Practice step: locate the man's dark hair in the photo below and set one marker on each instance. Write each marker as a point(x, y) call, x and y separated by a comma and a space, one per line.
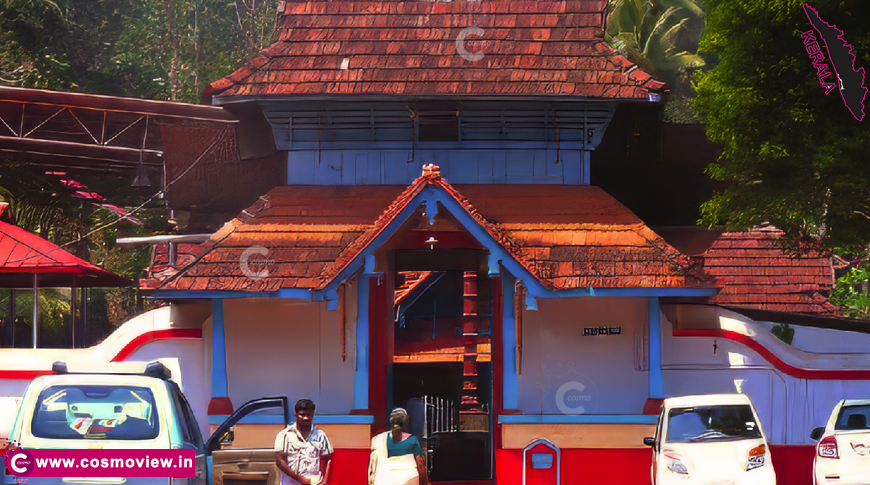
point(303, 404)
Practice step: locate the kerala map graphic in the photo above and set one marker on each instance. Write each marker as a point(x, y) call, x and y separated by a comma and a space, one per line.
point(851, 80)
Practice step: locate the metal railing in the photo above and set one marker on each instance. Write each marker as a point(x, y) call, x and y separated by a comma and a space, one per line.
point(440, 416)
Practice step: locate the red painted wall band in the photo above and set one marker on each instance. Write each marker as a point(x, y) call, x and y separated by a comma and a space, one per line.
point(132, 346)
point(170, 333)
point(24, 375)
point(790, 370)
point(793, 465)
point(629, 466)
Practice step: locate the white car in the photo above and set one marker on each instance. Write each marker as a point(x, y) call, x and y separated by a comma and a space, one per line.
point(139, 407)
point(843, 451)
point(713, 439)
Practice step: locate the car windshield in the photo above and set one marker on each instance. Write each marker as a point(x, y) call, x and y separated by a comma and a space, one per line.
point(95, 412)
point(853, 418)
point(712, 423)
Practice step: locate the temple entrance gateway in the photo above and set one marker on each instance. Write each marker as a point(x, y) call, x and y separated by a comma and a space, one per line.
point(441, 369)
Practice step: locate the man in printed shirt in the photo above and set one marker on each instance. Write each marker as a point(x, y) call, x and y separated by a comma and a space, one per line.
point(300, 448)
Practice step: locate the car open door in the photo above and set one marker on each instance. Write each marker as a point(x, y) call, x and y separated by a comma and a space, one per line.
point(252, 462)
point(8, 413)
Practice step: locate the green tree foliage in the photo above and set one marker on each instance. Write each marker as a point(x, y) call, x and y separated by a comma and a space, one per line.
point(852, 292)
point(43, 205)
point(783, 332)
point(110, 307)
point(54, 309)
point(157, 49)
point(793, 156)
point(40, 204)
point(661, 37)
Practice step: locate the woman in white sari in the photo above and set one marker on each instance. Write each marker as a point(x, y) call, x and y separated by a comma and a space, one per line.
point(397, 457)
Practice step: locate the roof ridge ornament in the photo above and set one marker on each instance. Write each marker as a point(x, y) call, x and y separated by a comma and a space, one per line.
point(432, 171)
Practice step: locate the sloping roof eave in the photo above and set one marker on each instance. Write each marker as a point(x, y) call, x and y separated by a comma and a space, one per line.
point(324, 274)
point(418, 49)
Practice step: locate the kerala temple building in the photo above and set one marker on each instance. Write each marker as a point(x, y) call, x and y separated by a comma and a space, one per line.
point(415, 221)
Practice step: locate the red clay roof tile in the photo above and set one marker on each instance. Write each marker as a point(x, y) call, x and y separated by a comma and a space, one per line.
point(410, 48)
point(757, 274)
point(566, 236)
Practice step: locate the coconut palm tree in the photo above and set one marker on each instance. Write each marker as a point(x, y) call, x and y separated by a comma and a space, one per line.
point(661, 37)
point(43, 205)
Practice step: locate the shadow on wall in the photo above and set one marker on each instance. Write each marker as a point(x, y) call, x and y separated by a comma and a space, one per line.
point(655, 169)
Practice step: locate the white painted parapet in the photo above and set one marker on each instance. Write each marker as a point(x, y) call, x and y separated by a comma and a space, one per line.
point(710, 349)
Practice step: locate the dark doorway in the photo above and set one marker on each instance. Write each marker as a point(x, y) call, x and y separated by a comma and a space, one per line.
point(441, 369)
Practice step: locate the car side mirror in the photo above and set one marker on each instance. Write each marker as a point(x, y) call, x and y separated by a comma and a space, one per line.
point(649, 441)
point(817, 433)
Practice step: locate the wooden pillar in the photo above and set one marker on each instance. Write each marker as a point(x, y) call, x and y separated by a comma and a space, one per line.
point(470, 317)
point(378, 353)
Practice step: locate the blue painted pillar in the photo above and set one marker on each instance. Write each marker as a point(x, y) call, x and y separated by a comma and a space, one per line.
point(656, 382)
point(510, 379)
point(361, 371)
point(220, 403)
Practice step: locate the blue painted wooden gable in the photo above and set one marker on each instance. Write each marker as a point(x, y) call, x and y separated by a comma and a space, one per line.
point(488, 142)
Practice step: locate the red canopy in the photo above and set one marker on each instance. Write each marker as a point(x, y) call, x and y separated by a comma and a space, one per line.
point(23, 254)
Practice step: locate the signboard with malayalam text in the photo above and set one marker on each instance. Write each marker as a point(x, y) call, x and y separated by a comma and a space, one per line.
point(595, 331)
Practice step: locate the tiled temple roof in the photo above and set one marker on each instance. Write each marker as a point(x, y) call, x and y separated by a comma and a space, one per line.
point(159, 270)
point(565, 236)
point(415, 48)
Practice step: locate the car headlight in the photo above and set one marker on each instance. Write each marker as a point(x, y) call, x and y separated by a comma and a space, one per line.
point(674, 462)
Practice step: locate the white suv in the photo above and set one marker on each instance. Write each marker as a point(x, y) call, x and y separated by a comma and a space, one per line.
point(710, 439)
point(843, 451)
point(136, 406)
